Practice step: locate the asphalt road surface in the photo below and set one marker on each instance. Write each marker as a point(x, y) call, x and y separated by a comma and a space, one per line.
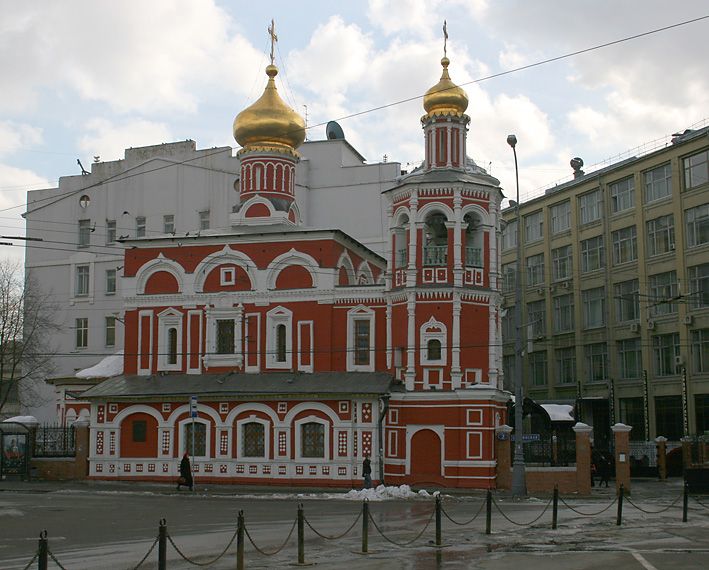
point(97, 529)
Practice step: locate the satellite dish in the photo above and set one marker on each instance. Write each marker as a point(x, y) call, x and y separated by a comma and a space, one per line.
point(334, 131)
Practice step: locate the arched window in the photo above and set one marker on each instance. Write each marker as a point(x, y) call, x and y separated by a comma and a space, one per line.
point(312, 439)
point(172, 345)
point(401, 258)
point(253, 442)
point(433, 349)
point(280, 343)
point(435, 251)
point(473, 240)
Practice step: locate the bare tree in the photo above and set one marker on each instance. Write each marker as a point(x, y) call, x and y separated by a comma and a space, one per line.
point(26, 327)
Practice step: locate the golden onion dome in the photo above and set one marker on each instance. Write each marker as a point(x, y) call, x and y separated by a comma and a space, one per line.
point(445, 96)
point(269, 124)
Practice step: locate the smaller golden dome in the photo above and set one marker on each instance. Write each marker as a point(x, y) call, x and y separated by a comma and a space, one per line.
point(269, 124)
point(445, 96)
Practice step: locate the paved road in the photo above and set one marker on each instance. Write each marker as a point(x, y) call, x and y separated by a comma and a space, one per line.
point(112, 528)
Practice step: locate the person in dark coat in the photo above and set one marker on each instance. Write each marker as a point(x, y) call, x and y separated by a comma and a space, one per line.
point(603, 468)
point(185, 473)
point(367, 472)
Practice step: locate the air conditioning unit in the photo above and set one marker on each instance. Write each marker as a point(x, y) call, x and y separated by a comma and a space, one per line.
point(672, 247)
point(565, 285)
point(688, 319)
point(540, 291)
point(651, 325)
point(634, 328)
point(679, 360)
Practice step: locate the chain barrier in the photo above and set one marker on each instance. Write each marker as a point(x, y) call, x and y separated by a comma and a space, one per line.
point(336, 537)
point(546, 508)
point(568, 506)
point(36, 554)
point(209, 562)
point(699, 502)
point(480, 510)
point(142, 560)
point(51, 555)
point(402, 544)
point(667, 508)
point(281, 547)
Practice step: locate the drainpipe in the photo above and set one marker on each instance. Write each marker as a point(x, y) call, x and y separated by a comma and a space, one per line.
point(383, 409)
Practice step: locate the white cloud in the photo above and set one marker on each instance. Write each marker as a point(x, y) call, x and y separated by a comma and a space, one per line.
point(14, 136)
point(109, 141)
point(511, 57)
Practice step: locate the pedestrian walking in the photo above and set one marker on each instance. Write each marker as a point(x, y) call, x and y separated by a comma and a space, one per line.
point(604, 470)
point(367, 472)
point(185, 473)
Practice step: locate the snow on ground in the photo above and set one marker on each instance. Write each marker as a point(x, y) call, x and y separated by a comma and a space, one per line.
point(108, 367)
point(382, 493)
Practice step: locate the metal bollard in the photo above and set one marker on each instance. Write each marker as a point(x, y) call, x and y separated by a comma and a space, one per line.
point(301, 535)
point(685, 502)
point(162, 545)
point(43, 551)
point(555, 509)
point(621, 494)
point(365, 526)
point(438, 520)
point(488, 513)
point(240, 541)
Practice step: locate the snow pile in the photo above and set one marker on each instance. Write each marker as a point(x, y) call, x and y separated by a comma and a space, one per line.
point(31, 420)
point(108, 367)
point(382, 493)
point(559, 412)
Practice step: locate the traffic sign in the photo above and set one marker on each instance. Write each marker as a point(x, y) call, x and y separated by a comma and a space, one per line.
point(193, 406)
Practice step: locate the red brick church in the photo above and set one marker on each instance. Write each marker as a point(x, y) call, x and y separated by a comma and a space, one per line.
point(307, 351)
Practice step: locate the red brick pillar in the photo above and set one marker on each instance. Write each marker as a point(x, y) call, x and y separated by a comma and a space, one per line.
point(622, 456)
point(583, 458)
point(504, 459)
point(81, 442)
point(661, 457)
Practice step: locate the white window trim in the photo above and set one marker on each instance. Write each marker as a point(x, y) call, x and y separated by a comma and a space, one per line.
point(433, 330)
point(166, 320)
point(275, 317)
point(89, 297)
point(253, 319)
point(360, 313)
point(240, 439)
point(308, 332)
point(207, 436)
point(392, 443)
point(227, 276)
point(211, 358)
point(299, 435)
point(469, 436)
point(115, 282)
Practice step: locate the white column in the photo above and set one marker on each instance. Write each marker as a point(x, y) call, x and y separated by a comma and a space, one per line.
point(456, 373)
point(389, 341)
point(413, 239)
point(449, 144)
point(493, 343)
point(458, 239)
point(411, 341)
point(391, 266)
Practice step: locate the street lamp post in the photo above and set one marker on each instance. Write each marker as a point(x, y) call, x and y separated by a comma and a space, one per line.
point(519, 482)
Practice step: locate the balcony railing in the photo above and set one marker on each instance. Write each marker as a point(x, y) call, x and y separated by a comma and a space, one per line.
point(435, 255)
point(473, 257)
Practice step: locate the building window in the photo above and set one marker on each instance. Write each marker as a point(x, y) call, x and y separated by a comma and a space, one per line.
point(81, 282)
point(312, 440)
point(168, 224)
point(665, 351)
point(81, 325)
point(668, 417)
point(140, 226)
point(509, 235)
point(632, 413)
point(433, 349)
point(140, 431)
point(699, 285)
point(172, 346)
point(508, 371)
point(700, 350)
point(630, 358)
point(281, 342)
point(563, 314)
point(204, 220)
point(596, 361)
point(627, 301)
point(622, 195)
point(110, 231)
point(226, 337)
point(84, 233)
point(110, 281)
point(565, 365)
point(110, 331)
point(561, 263)
point(536, 319)
point(279, 338)
point(591, 207)
point(169, 340)
point(508, 325)
point(663, 290)
point(227, 276)
point(696, 170)
point(594, 308)
point(660, 235)
point(253, 440)
point(361, 344)
point(534, 227)
point(200, 439)
point(560, 215)
point(592, 254)
point(658, 183)
point(509, 277)
point(697, 220)
point(701, 412)
point(625, 245)
point(435, 248)
point(535, 270)
point(537, 366)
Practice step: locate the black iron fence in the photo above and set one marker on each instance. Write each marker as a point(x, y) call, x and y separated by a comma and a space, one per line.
point(54, 441)
point(549, 451)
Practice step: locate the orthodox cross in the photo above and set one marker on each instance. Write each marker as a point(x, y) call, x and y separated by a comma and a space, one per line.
point(274, 39)
point(445, 38)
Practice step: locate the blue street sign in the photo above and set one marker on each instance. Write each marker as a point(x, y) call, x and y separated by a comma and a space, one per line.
point(529, 437)
point(193, 406)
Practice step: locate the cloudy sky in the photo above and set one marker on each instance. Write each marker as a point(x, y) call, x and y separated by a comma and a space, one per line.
point(91, 77)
